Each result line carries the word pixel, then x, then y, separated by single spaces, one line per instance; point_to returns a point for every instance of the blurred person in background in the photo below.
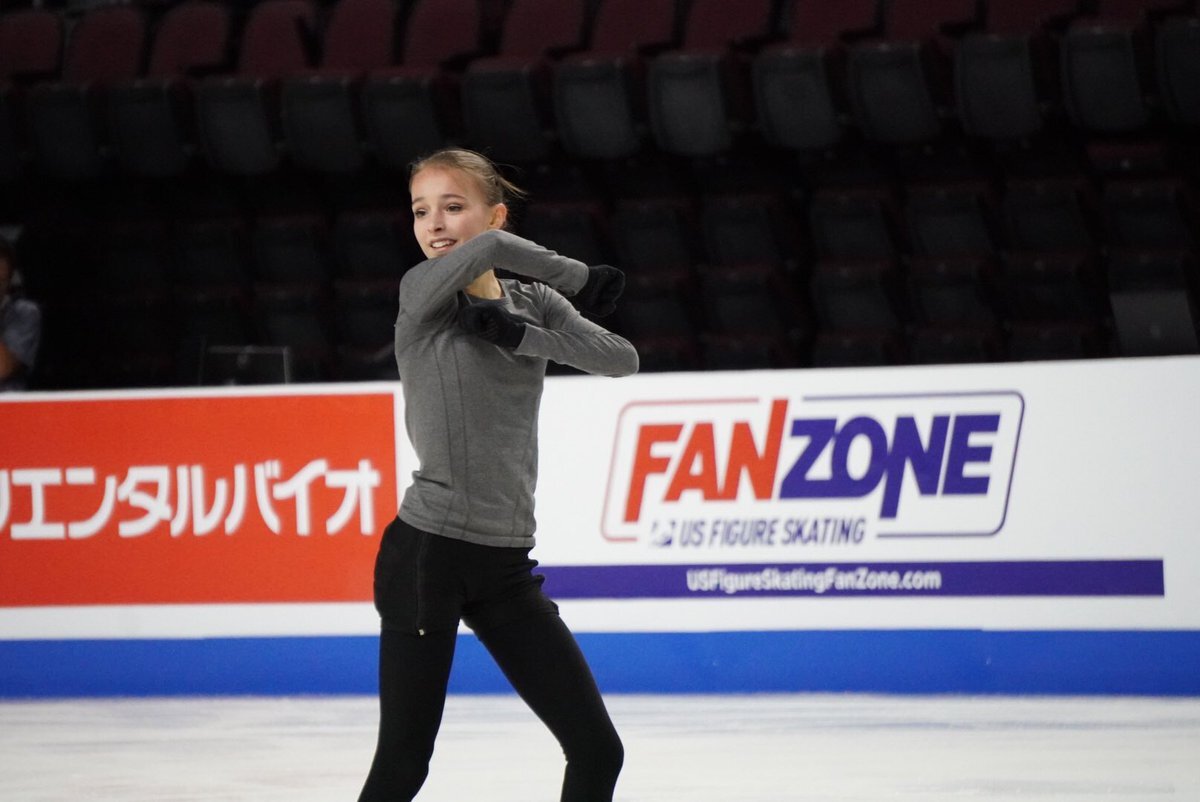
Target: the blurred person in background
pixel 20 325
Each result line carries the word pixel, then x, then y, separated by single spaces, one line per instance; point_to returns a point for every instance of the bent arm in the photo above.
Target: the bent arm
pixel 429 285
pixel 568 338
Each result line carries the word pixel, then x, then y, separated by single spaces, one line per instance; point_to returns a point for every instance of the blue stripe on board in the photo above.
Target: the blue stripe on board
pixel 1160 663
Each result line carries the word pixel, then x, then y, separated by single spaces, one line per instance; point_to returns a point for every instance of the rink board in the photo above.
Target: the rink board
pixel 982 529
pixel 904 661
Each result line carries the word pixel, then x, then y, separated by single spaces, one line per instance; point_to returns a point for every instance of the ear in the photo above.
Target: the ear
pixel 499 216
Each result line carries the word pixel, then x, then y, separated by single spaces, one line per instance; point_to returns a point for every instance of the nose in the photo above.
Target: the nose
pixel 433 221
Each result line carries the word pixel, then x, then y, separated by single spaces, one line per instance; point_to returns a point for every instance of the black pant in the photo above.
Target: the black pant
pixel 424 584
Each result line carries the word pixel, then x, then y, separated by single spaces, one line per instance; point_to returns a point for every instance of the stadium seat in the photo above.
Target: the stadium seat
pixel 66 120
pixel 867 348
pixel 414 108
pixel 1177 49
pixel 1154 301
pixel 1151 214
pixel 854 223
pixel 321 121
pixel 373 246
pixel 856 282
pixel 506 97
pixel 364 326
pixel 900 88
pixel 574 229
pixel 858 294
pixel 209 316
pixel 152 118
pixel 290 250
pixel 1107 65
pixel 211 253
pixel 238 114
pixel 751 322
pixel 599 94
pixel 663 328
pixel 1053 214
pixel 1057 340
pixel 799 84
pixel 1006 77
pixel 31 41
pixel 656 241
pixel 955 290
pixel 131 347
pixel 30 50
pixel 966 343
pixel 748 231
pixel 135 265
pixel 1066 286
pixel 952 219
pixel 699 96
pixel 297 318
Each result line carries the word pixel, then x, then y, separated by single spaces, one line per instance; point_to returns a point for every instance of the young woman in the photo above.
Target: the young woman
pixel 472 352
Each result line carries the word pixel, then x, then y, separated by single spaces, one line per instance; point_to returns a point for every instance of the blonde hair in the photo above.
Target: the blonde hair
pixel 496 188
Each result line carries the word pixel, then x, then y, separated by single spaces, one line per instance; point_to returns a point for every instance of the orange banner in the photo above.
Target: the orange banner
pixel 156 500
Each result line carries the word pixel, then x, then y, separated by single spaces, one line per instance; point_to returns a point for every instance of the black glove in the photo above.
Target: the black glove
pixel 599 295
pixel 493 324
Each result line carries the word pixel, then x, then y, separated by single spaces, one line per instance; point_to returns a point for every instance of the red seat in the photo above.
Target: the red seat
pixel 699 95
pixel 599 94
pixel 1177 51
pixel 412 109
pixel 799 84
pixel 30 50
pixel 1006 76
pixel 65 118
pixel 238 115
pixel 30 45
pixel 900 88
pixel 1107 65
pixel 151 118
pixel 506 97
pixel 320 109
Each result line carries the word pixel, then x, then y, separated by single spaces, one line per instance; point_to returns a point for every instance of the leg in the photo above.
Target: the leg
pixel 413 673
pixel 541 659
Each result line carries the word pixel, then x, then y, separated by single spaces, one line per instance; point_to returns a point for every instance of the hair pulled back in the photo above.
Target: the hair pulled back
pixel 496 188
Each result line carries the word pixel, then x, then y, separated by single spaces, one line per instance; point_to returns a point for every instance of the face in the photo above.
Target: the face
pixel 449 208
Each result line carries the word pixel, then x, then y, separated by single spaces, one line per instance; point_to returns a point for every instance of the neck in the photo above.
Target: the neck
pixel 486 286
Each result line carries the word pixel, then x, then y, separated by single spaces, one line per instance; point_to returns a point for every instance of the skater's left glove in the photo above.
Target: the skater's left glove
pixel 599 295
pixel 491 323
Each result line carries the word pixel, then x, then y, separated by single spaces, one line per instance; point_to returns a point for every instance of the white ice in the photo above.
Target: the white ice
pixel 678 749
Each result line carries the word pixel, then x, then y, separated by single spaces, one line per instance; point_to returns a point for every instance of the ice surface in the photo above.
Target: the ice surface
pixel 678 749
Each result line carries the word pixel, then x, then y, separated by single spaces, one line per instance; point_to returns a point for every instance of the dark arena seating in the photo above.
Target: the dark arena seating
pixel 787 183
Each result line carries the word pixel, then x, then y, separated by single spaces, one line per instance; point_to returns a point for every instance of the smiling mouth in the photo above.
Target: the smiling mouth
pixel 441 244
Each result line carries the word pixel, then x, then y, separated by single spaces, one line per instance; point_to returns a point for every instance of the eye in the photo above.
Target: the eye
pixel 418 213
pixel 454 207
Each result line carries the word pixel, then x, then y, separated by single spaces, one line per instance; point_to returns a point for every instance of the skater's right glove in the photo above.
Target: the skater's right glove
pixel 491 323
pixel 599 295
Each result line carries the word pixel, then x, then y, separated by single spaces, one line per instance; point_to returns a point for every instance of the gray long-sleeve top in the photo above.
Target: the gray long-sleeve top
pixel 471 407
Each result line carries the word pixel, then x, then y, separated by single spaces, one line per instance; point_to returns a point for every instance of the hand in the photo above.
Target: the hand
pixel 599 295
pixel 491 323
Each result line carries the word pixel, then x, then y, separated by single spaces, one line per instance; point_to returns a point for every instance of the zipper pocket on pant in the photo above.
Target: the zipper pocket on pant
pixel 419 576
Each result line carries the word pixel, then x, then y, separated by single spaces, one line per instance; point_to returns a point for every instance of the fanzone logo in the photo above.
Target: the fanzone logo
pixel 884 465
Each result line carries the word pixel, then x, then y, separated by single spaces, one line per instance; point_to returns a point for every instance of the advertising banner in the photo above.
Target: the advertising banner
pixel 1015 496
pixel 216 498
